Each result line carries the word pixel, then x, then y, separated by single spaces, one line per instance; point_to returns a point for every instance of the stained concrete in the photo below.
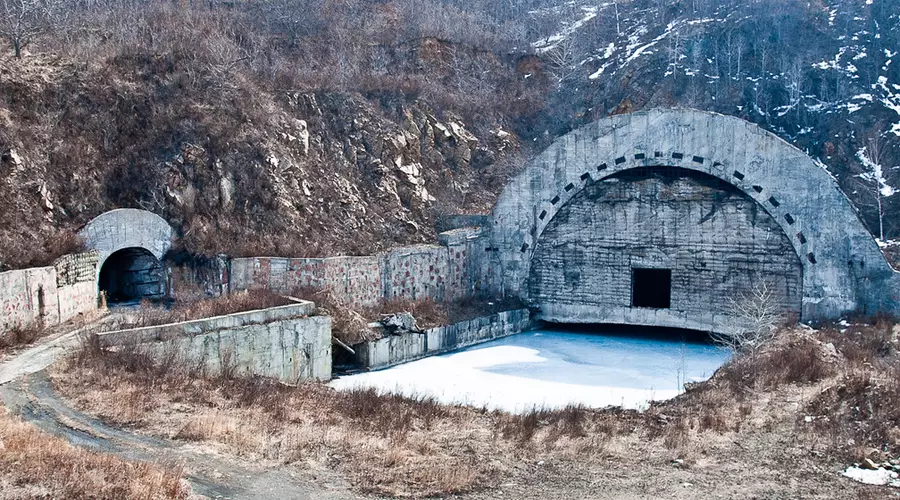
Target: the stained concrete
pixel 127 228
pixel 396 349
pixel 280 342
pixel 714 240
pixel 48 295
pixel 843 270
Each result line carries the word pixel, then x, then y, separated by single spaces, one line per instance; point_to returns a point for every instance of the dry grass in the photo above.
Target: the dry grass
pixel 350 324
pixel 386 444
pixel 36 465
pixel 196 307
pixel 20 336
pixel 741 427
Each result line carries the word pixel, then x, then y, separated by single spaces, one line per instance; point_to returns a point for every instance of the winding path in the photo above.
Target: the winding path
pixel 26 390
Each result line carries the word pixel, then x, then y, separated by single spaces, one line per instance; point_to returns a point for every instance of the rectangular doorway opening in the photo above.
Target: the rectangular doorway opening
pixel 651 288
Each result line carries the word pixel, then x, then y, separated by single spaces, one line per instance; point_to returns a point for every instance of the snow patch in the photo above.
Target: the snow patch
pixel 880 477
pixel 874 174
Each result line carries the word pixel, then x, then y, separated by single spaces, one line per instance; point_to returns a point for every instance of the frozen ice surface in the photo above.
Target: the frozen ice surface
pixel 552 369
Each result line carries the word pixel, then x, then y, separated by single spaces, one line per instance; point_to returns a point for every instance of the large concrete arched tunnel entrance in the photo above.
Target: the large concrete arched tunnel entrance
pixel 132 274
pixel 662 246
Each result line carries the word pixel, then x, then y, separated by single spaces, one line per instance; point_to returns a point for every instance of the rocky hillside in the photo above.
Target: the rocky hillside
pixel 823 74
pixel 254 143
pixel 345 126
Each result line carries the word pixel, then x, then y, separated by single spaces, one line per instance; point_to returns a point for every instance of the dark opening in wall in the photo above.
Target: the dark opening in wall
pixel 132 274
pixel 651 288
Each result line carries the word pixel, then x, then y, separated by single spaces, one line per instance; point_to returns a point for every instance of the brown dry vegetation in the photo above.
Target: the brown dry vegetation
pixel 195 307
pixel 350 323
pixel 36 465
pixel 192 110
pixel 744 433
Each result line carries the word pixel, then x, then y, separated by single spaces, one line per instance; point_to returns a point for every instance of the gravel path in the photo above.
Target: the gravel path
pixel 26 391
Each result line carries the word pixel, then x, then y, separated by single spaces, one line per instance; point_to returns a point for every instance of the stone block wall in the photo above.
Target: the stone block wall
pixel 396 349
pixel 48 295
pixel 281 342
pixel 714 240
pixel 441 272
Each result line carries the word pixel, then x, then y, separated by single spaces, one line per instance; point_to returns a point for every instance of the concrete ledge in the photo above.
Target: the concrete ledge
pixel 204 326
pixel 398 349
pixel 284 343
pixel 570 313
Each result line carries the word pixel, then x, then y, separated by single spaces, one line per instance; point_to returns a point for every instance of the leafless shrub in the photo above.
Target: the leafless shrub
pixel 863 409
pixel 863 343
pixel 20 336
pixel 759 314
pixel 17 254
pixel 387 414
pixel 791 360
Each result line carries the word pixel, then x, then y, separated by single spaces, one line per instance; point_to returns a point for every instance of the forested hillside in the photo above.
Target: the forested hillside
pixel 295 127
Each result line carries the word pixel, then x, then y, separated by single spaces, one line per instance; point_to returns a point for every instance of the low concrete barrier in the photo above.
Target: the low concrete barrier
pixel 397 349
pixel 281 342
pixel 50 295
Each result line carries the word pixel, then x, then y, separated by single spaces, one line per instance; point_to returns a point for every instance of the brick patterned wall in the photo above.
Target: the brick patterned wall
pixel 717 242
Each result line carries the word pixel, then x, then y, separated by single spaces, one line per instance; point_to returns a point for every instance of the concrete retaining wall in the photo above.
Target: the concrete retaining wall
pixel 441 272
pixel 397 349
pixel 48 295
pixel 281 342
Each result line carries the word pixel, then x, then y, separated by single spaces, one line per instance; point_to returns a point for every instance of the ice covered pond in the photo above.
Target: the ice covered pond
pixel 554 368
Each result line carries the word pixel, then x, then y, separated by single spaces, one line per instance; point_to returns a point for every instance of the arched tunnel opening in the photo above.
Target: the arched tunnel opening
pixel 663 246
pixel 131 275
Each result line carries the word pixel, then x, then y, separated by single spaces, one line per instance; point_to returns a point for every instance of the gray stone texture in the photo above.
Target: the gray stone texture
pixel 716 241
pixel 282 342
pixel 844 271
pixel 48 295
pixel 396 349
pixel 127 228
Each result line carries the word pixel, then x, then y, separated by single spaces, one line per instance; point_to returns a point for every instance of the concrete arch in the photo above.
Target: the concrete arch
pixel 137 240
pixel 123 228
pixel 844 271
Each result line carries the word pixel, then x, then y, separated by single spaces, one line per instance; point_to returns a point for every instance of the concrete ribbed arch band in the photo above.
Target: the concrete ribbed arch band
pixel 124 228
pixel 131 244
pixel 843 270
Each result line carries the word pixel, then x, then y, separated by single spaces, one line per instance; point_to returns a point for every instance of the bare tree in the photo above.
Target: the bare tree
pixel 563 58
pixel 23 20
pixel 872 155
pixel 759 314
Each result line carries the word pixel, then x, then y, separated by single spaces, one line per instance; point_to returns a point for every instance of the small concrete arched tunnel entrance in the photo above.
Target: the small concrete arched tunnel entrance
pixel 130 275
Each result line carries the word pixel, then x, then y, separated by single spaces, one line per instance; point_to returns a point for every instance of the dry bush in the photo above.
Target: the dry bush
pixel 150 314
pixel 249 300
pixel 863 343
pixel 29 457
pixel 861 410
pixel 428 312
pixel 18 254
pixel 789 359
pixel 20 336
pixel 350 324
pixel 389 415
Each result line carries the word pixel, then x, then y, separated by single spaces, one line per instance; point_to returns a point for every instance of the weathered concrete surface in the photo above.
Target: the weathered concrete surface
pixel 127 228
pixel 715 240
pixel 397 349
pixel 440 272
pixel 844 271
pixel 48 295
pixel 281 342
